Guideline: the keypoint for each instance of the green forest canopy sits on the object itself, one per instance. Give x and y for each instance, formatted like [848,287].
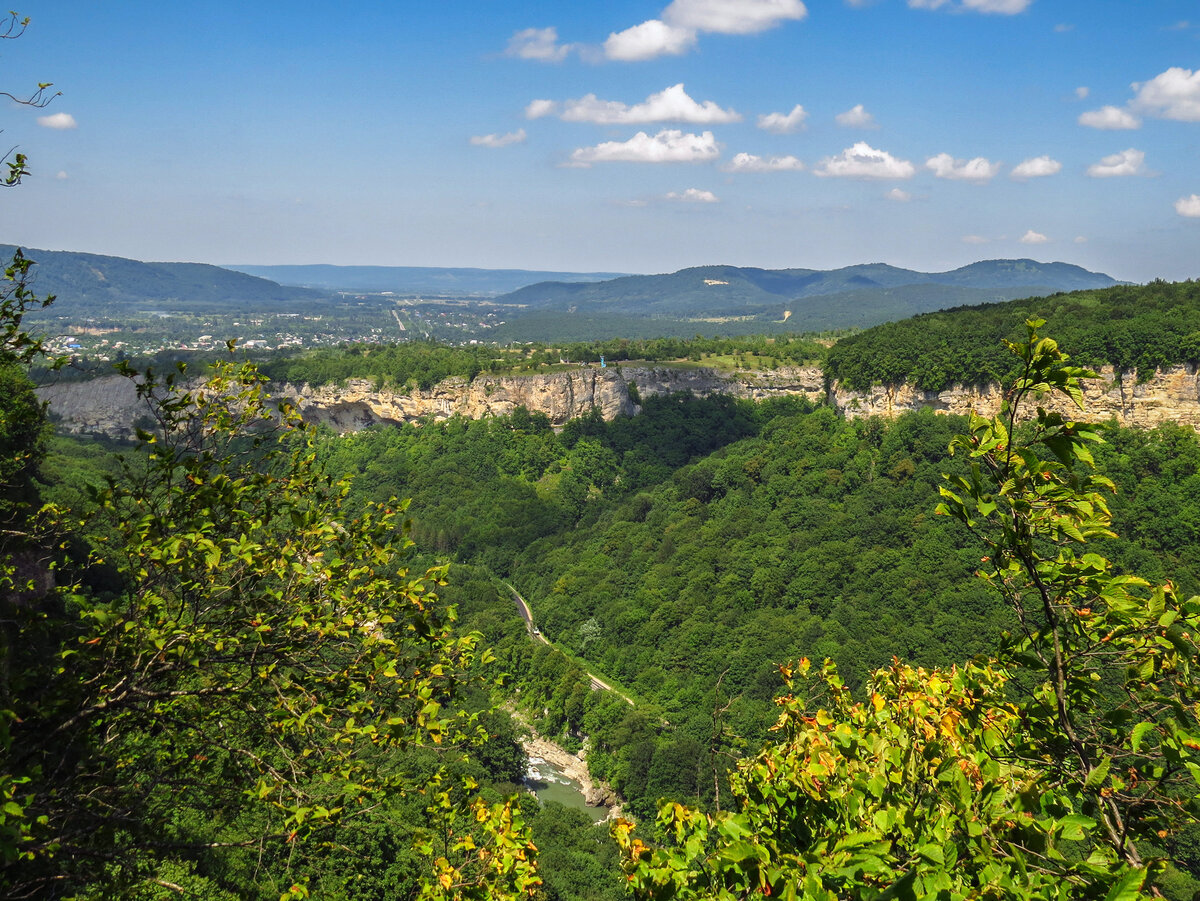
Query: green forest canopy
[1133,329]
[683,551]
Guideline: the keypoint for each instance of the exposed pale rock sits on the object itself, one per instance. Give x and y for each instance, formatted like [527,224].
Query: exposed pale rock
[1172,395]
[110,405]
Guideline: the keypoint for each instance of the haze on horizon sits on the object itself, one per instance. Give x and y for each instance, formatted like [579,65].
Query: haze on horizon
[625,136]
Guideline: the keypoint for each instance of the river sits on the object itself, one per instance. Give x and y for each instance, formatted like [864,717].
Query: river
[557,775]
[550,783]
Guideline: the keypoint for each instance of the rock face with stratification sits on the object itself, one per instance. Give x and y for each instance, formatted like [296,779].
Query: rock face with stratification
[1172,395]
[561,396]
[110,405]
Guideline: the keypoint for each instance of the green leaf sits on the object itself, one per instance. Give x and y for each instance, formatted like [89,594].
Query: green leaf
[1075,826]
[1128,887]
[1098,774]
[1139,734]
[902,889]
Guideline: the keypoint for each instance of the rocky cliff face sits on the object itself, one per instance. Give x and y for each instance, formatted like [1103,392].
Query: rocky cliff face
[110,405]
[104,406]
[561,396]
[1173,395]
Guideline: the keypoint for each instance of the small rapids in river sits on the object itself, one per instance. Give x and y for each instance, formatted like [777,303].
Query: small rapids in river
[550,783]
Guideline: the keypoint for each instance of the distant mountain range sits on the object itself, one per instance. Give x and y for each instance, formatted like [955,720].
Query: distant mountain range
[852,296]
[416,279]
[570,306]
[103,281]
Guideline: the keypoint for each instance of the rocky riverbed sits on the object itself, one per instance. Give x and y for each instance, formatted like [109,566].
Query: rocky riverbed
[574,767]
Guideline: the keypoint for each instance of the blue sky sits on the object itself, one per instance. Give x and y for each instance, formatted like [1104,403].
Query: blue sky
[618,136]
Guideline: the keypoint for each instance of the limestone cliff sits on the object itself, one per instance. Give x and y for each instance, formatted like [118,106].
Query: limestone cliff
[1172,395]
[105,406]
[561,396]
[110,405]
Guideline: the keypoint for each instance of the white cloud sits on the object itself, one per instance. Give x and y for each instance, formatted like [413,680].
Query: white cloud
[1082,92]
[1063,28]
[1110,118]
[683,21]
[1032,237]
[1000,7]
[855,117]
[1173,94]
[1127,162]
[779,123]
[540,44]
[898,195]
[692,195]
[539,108]
[58,121]
[864,161]
[495,140]
[978,169]
[61,175]
[1188,206]
[648,40]
[1036,167]
[733,16]
[975,239]
[1080,239]
[748,162]
[670,105]
[668,146]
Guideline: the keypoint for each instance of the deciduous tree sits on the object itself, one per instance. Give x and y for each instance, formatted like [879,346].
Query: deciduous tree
[1049,771]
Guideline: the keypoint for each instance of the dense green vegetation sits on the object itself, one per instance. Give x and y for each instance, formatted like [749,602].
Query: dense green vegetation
[421,363]
[1052,769]
[707,540]
[246,688]
[681,555]
[1130,328]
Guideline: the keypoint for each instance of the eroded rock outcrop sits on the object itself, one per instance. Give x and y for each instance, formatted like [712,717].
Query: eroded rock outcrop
[1172,395]
[110,405]
[561,396]
[105,406]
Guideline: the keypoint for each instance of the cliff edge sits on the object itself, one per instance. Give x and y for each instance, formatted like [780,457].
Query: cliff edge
[110,405]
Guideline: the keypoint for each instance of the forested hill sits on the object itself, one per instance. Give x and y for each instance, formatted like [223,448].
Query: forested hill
[1130,328]
[96,280]
[836,298]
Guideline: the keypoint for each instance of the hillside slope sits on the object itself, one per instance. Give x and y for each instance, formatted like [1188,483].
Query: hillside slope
[1130,328]
[96,281]
[850,296]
